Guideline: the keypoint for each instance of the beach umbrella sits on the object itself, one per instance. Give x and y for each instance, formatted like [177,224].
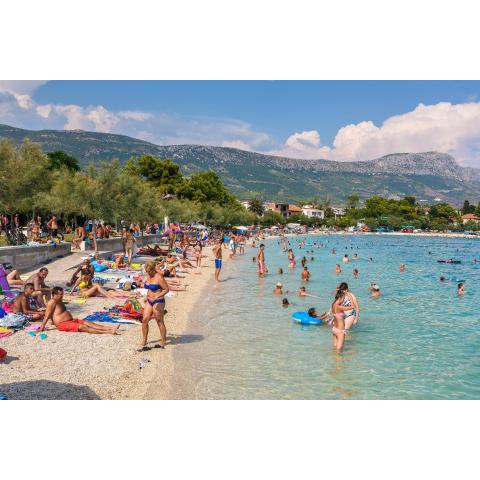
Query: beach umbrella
[241,228]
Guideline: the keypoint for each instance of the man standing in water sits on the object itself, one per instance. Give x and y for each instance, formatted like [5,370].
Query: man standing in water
[260,258]
[217,251]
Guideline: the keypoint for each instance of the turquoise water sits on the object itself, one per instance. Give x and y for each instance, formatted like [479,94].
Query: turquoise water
[418,341]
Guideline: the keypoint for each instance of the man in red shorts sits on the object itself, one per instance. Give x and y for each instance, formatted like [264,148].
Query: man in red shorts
[63,320]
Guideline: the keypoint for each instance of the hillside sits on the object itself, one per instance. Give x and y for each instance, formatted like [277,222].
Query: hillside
[426,176]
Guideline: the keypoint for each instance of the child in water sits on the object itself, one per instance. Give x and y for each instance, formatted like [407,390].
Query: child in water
[461,288]
[305,274]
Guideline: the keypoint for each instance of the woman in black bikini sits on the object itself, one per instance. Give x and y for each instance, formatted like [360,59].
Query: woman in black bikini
[154,304]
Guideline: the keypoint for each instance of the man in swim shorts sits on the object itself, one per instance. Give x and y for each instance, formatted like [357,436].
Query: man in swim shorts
[41,289]
[22,304]
[260,258]
[217,251]
[64,321]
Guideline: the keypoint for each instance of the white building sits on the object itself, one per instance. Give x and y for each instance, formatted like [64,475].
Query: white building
[338,211]
[311,212]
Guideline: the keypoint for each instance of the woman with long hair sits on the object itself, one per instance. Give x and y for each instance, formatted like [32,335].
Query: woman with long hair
[350,300]
[154,304]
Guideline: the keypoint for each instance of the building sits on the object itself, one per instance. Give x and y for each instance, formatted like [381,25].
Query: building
[285,209]
[338,211]
[246,204]
[311,212]
[470,217]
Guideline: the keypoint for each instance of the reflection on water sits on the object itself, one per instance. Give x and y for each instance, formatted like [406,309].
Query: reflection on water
[419,340]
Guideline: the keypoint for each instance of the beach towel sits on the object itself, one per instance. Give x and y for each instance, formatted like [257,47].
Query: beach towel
[5,332]
[109,318]
[14,320]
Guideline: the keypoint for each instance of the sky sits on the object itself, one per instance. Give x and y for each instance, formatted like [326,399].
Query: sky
[335,120]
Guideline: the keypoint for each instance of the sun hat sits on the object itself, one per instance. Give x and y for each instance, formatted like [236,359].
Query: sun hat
[279,285]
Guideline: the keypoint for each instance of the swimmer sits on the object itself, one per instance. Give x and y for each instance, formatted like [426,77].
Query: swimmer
[355,256]
[302,292]
[443,279]
[333,251]
[312,312]
[355,273]
[304,261]
[461,288]
[278,289]
[291,258]
[345,259]
[370,259]
[374,290]
[338,270]
[305,274]
[402,267]
[285,302]
[260,258]
[280,271]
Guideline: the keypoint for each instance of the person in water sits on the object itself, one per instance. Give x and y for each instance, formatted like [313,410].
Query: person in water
[351,314]
[305,274]
[285,302]
[374,290]
[217,251]
[312,312]
[154,304]
[338,270]
[443,279]
[291,259]
[461,288]
[260,258]
[64,321]
[278,289]
[345,259]
[402,267]
[280,271]
[302,292]
[355,273]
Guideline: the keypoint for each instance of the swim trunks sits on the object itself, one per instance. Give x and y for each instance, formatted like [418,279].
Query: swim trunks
[218,263]
[70,325]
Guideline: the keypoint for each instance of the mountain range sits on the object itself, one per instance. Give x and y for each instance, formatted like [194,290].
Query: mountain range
[427,176]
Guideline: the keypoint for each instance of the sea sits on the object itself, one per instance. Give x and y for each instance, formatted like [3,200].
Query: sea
[418,340]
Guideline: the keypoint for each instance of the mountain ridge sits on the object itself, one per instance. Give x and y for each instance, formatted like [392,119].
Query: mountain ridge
[427,174]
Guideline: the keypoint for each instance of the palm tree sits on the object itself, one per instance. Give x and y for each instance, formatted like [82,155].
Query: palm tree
[256,206]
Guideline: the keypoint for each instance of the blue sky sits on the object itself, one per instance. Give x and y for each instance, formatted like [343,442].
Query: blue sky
[340,120]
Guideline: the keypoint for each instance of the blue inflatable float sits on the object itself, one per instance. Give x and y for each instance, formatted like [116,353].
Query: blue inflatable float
[305,319]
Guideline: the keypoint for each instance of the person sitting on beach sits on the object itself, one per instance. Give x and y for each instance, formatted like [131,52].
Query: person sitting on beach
[305,274]
[41,289]
[278,289]
[374,290]
[12,276]
[302,292]
[64,321]
[154,304]
[461,288]
[80,237]
[22,305]
[85,268]
[338,270]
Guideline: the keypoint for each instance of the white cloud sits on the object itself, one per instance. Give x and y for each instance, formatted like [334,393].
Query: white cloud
[21,110]
[444,127]
[27,87]
[237,144]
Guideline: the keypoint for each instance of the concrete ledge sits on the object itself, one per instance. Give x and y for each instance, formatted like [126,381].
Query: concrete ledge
[24,258]
[115,244]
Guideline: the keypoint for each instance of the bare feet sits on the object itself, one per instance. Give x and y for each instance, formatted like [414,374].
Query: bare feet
[114,329]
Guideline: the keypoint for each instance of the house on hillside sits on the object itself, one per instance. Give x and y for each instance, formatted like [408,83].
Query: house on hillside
[310,211]
[285,209]
[470,217]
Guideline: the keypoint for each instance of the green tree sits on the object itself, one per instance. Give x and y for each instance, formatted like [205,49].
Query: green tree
[353,201]
[205,187]
[468,208]
[60,159]
[271,218]
[256,206]
[164,174]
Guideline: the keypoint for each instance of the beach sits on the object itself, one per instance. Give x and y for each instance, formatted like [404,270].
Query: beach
[83,366]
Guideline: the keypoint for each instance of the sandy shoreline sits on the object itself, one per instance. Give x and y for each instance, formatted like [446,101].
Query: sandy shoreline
[82,366]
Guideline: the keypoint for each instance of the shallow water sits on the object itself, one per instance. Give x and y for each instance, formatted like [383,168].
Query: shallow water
[418,341]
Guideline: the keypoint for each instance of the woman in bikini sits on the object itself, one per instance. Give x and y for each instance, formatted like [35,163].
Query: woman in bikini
[350,300]
[198,253]
[291,258]
[154,304]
